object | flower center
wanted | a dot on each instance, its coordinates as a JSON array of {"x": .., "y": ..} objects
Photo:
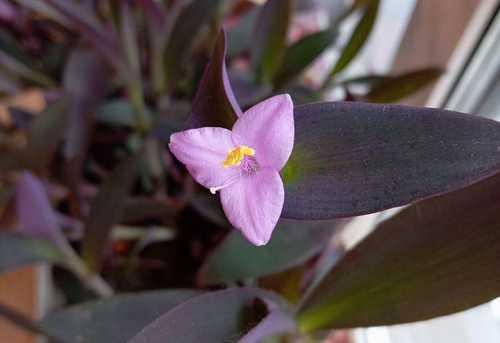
[{"x": 236, "y": 156}]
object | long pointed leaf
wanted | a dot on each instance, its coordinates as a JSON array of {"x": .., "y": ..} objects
[
  {"x": 215, "y": 104},
  {"x": 270, "y": 38},
  {"x": 355, "y": 158},
  {"x": 358, "y": 38},
  {"x": 437, "y": 257}
]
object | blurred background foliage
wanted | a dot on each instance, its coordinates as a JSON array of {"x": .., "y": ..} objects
[{"x": 90, "y": 93}]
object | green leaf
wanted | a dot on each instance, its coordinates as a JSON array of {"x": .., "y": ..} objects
[
  {"x": 436, "y": 257},
  {"x": 107, "y": 209},
  {"x": 302, "y": 53},
  {"x": 17, "y": 250},
  {"x": 358, "y": 38},
  {"x": 238, "y": 310},
  {"x": 398, "y": 87},
  {"x": 115, "y": 319},
  {"x": 292, "y": 243},
  {"x": 270, "y": 38},
  {"x": 354, "y": 158}
]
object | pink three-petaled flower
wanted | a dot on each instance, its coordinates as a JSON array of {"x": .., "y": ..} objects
[{"x": 243, "y": 164}]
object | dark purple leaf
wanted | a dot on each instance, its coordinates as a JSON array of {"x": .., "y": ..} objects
[
  {"x": 436, "y": 257},
  {"x": 215, "y": 104},
  {"x": 292, "y": 243},
  {"x": 116, "y": 319},
  {"x": 355, "y": 158},
  {"x": 220, "y": 316},
  {"x": 270, "y": 38},
  {"x": 106, "y": 210}
]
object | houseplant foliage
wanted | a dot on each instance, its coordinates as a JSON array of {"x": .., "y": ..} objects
[{"x": 142, "y": 253}]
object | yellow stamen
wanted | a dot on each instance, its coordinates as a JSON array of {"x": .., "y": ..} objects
[{"x": 235, "y": 156}]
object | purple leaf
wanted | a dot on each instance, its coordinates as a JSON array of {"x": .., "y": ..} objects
[
  {"x": 355, "y": 158},
  {"x": 34, "y": 210},
  {"x": 195, "y": 321},
  {"x": 215, "y": 104},
  {"x": 434, "y": 258}
]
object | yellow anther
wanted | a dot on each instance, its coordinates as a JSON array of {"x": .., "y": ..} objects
[{"x": 235, "y": 156}]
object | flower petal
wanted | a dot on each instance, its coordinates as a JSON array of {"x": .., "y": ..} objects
[
  {"x": 269, "y": 129},
  {"x": 203, "y": 151},
  {"x": 254, "y": 204}
]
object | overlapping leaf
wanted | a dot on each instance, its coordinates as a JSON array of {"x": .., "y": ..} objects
[
  {"x": 292, "y": 243},
  {"x": 434, "y": 258},
  {"x": 115, "y": 319},
  {"x": 195, "y": 321}
]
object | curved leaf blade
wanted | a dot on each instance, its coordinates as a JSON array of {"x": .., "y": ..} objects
[
  {"x": 270, "y": 38},
  {"x": 436, "y": 257},
  {"x": 18, "y": 250},
  {"x": 214, "y": 103},
  {"x": 186, "y": 30},
  {"x": 358, "y": 38},
  {"x": 106, "y": 210},
  {"x": 356, "y": 158},
  {"x": 194, "y": 320},
  {"x": 292, "y": 243},
  {"x": 115, "y": 319},
  {"x": 301, "y": 54},
  {"x": 398, "y": 87}
]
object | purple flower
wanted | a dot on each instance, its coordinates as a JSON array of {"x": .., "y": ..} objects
[{"x": 244, "y": 164}]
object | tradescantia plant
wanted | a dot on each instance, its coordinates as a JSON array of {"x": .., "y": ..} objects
[{"x": 114, "y": 118}]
